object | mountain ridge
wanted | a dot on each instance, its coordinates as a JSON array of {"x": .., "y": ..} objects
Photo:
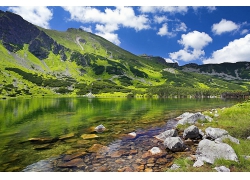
[{"x": 38, "y": 61}]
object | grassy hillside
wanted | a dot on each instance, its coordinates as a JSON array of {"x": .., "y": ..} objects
[{"x": 41, "y": 62}]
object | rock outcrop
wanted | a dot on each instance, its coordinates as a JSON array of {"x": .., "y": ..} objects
[{"x": 208, "y": 151}]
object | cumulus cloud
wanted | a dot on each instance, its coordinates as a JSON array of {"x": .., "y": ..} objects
[
  {"x": 163, "y": 31},
  {"x": 235, "y": 51},
  {"x": 109, "y": 20},
  {"x": 187, "y": 55},
  {"x": 195, "y": 40},
  {"x": 157, "y": 9},
  {"x": 193, "y": 43},
  {"x": 38, "y": 15},
  {"x": 224, "y": 26}
]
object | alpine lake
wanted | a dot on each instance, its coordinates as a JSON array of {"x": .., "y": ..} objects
[{"x": 58, "y": 134}]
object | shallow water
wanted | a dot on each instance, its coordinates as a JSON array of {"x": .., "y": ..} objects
[{"x": 59, "y": 123}]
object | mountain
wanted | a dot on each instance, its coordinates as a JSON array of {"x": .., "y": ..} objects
[{"x": 37, "y": 61}]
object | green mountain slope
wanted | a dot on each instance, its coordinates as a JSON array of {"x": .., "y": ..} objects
[{"x": 36, "y": 61}]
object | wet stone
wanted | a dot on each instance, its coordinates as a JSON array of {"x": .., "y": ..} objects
[
  {"x": 148, "y": 170},
  {"x": 119, "y": 161},
  {"x": 42, "y": 147},
  {"x": 67, "y": 136},
  {"x": 73, "y": 156},
  {"x": 97, "y": 147},
  {"x": 150, "y": 165},
  {"x": 141, "y": 167},
  {"x": 128, "y": 169},
  {"x": 161, "y": 161},
  {"x": 73, "y": 163},
  {"x": 102, "y": 169},
  {"x": 89, "y": 136},
  {"x": 42, "y": 140},
  {"x": 151, "y": 160},
  {"x": 133, "y": 151}
]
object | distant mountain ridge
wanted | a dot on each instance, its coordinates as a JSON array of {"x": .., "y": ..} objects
[{"x": 38, "y": 61}]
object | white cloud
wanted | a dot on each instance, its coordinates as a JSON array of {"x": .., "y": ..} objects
[
  {"x": 195, "y": 39},
  {"x": 87, "y": 29},
  {"x": 38, "y": 15},
  {"x": 110, "y": 20},
  {"x": 112, "y": 37},
  {"x": 187, "y": 55},
  {"x": 170, "y": 60},
  {"x": 244, "y": 31},
  {"x": 193, "y": 43},
  {"x": 181, "y": 27},
  {"x": 124, "y": 16},
  {"x": 163, "y": 31},
  {"x": 224, "y": 26},
  {"x": 209, "y": 8},
  {"x": 160, "y": 19},
  {"x": 235, "y": 51},
  {"x": 157, "y": 9}
]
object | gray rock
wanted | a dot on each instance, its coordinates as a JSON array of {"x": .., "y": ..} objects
[
  {"x": 165, "y": 134},
  {"x": 222, "y": 169},
  {"x": 174, "y": 167},
  {"x": 208, "y": 118},
  {"x": 100, "y": 128},
  {"x": 190, "y": 118},
  {"x": 191, "y": 132},
  {"x": 198, "y": 163},
  {"x": 215, "y": 133},
  {"x": 232, "y": 139},
  {"x": 202, "y": 134},
  {"x": 155, "y": 150},
  {"x": 174, "y": 144},
  {"x": 209, "y": 151},
  {"x": 248, "y": 137}
]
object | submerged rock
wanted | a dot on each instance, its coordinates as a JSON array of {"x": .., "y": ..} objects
[
  {"x": 42, "y": 140},
  {"x": 74, "y": 156},
  {"x": 132, "y": 134},
  {"x": 155, "y": 150},
  {"x": 67, "y": 136},
  {"x": 89, "y": 136},
  {"x": 98, "y": 148}
]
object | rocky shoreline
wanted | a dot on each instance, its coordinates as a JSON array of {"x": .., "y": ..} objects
[{"x": 152, "y": 150}]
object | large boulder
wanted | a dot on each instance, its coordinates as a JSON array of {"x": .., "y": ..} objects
[
  {"x": 165, "y": 134},
  {"x": 174, "y": 144},
  {"x": 190, "y": 118},
  {"x": 191, "y": 132},
  {"x": 208, "y": 151},
  {"x": 215, "y": 133}
]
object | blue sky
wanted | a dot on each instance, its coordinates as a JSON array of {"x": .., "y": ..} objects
[{"x": 183, "y": 34}]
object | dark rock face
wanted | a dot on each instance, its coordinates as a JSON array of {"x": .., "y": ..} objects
[{"x": 15, "y": 32}]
